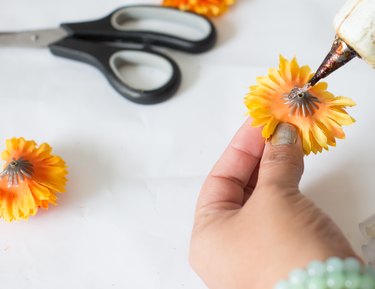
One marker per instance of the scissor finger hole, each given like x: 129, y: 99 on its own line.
x: 141, y: 70
x: 162, y: 20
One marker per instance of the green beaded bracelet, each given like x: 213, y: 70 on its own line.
x: 335, y: 273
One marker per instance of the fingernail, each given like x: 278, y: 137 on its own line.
x: 285, y: 133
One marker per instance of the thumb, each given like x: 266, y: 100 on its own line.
x: 282, y: 162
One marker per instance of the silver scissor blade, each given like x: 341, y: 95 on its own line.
x: 35, y: 38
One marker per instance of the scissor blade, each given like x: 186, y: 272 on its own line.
x: 36, y: 38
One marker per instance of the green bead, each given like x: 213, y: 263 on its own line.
x: 297, y: 286
x: 298, y: 276
x: 369, y: 270
x: 352, y: 281
x: 352, y: 265
x: 316, y: 269
x: 367, y: 282
x: 334, y: 264
x: 316, y: 283
x: 335, y: 280
x: 282, y: 285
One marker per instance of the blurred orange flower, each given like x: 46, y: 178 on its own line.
x: 30, y: 179
x: 320, y: 122
x: 204, y: 7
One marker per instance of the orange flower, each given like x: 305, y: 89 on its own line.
x: 319, y: 122
x: 30, y: 179
x: 204, y: 7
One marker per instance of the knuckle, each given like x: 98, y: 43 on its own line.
x: 283, y: 157
x: 280, y: 156
x: 278, y: 192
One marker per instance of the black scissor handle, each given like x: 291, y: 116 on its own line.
x: 115, y: 27
x: 108, y: 59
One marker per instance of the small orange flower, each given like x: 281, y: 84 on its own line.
x: 30, y: 179
x: 319, y: 121
x: 204, y: 7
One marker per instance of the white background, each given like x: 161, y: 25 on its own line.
x: 135, y: 171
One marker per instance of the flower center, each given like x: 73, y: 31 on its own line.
x: 16, y: 171
x: 300, y: 102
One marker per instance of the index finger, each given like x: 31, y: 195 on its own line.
x: 224, y: 186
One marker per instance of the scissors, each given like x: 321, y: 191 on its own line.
x: 108, y: 44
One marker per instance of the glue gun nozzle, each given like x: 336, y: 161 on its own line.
x: 340, y: 54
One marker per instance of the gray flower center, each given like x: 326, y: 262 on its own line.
x: 16, y: 171
x: 301, y: 102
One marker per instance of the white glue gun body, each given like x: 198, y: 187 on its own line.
x: 355, y: 25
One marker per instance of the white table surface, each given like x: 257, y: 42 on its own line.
x: 135, y: 171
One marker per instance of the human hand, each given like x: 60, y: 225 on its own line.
x: 252, y: 224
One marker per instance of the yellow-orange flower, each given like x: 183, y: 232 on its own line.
x: 31, y: 178
x: 268, y: 106
x: 204, y: 7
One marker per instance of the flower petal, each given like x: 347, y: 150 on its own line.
x: 285, y: 69
x: 340, y: 117
x: 319, y: 135
x: 294, y: 70
x: 341, y: 101
x: 274, y: 75
x: 304, y: 75
x: 270, y: 127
